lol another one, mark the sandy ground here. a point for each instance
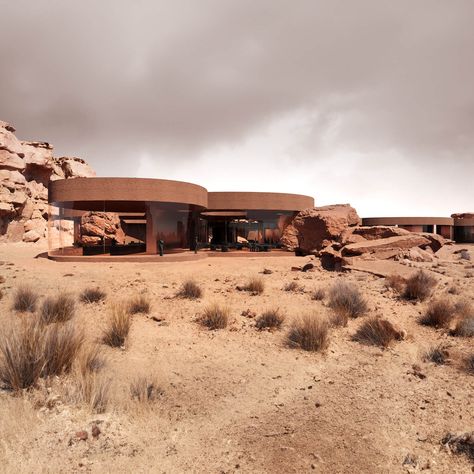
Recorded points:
(239, 400)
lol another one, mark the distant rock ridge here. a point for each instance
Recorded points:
(26, 168)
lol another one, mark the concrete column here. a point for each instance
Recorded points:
(151, 243)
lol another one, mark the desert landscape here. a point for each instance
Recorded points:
(177, 396)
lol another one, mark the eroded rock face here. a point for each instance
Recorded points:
(387, 245)
(96, 226)
(379, 232)
(26, 168)
(318, 227)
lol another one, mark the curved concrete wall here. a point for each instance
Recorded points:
(235, 201)
(126, 190)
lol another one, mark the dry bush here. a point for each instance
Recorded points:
(419, 286)
(92, 295)
(271, 319)
(438, 354)
(90, 359)
(58, 309)
(215, 316)
(439, 314)
(190, 289)
(463, 308)
(460, 443)
(377, 332)
(318, 294)
(464, 327)
(91, 389)
(396, 282)
(139, 304)
(21, 353)
(144, 389)
(118, 326)
(62, 343)
(255, 285)
(346, 298)
(339, 319)
(292, 286)
(469, 364)
(309, 332)
(25, 299)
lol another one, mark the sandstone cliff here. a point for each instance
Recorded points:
(26, 168)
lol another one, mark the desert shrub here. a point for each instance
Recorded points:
(309, 332)
(215, 316)
(396, 282)
(271, 318)
(346, 298)
(90, 359)
(139, 304)
(25, 299)
(438, 354)
(118, 326)
(318, 294)
(91, 389)
(460, 443)
(57, 309)
(469, 364)
(419, 286)
(21, 353)
(463, 308)
(292, 286)
(255, 285)
(339, 319)
(439, 314)
(464, 327)
(144, 389)
(190, 289)
(62, 342)
(377, 332)
(92, 295)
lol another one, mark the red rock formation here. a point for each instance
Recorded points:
(96, 226)
(25, 171)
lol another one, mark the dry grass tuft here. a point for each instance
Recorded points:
(144, 389)
(139, 304)
(419, 286)
(58, 309)
(345, 298)
(439, 314)
(270, 319)
(396, 282)
(309, 332)
(377, 332)
(90, 359)
(460, 444)
(215, 316)
(190, 289)
(339, 319)
(93, 390)
(464, 327)
(318, 294)
(255, 285)
(62, 343)
(21, 353)
(25, 299)
(118, 326)
(92, 295)
(469, 364)
(292, 286)
(438, 354)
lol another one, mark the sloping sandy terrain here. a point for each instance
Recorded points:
(238, 399)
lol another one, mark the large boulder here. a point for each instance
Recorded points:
(379, 232)
(385, 248)
(319, 227)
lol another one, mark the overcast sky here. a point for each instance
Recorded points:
(363, 101)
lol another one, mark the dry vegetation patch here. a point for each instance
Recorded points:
(118, 326)
(293, 286)
(255, 285)
(460, 443)
(270, 319)
(396, 282)
(309, 332)
(190, 289)
(25, 299)
(377, 332)
(92, 295)
(144, 389)
(58, 309)
(439, 314)
(469, 364)
(419, 286)
(139, 304)
(318, 294)
(215, 316)
(464, 327)
(346, 299)
(438, 355)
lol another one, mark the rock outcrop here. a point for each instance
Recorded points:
(26, 168)
(99, 226)
(316, 228)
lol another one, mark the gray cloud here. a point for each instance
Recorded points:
(179, 89)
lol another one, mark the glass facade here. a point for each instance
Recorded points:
(464, 234)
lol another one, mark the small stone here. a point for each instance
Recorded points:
(95, 431)
(82, 435)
